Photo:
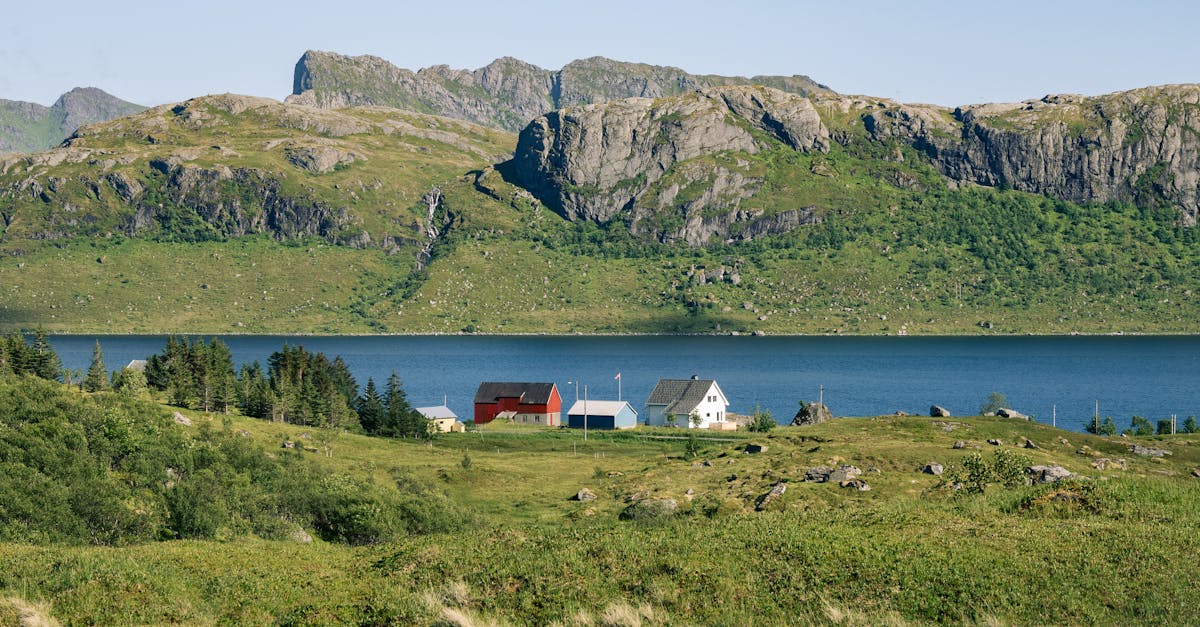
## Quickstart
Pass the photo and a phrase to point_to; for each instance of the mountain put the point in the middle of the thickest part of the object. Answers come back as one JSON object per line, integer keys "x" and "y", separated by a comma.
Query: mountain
{"x": 728, "y": 209}
{"x": 30, "y": 127}
{"x": 507, "y": 93}
{"x": 684, "y": 168}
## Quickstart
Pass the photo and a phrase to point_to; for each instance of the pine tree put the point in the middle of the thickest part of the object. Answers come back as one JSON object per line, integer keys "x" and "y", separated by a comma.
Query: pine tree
{"x": 44, "y": 361}
{"x": 394, "y": 425}
{"x": 371, "y": 410}
{"x": 97, "y": 375}
{"x": 132, "y": 383}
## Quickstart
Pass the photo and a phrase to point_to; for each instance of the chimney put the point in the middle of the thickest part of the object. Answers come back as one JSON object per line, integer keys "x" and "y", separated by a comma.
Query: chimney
{"x": 695, "y": 377}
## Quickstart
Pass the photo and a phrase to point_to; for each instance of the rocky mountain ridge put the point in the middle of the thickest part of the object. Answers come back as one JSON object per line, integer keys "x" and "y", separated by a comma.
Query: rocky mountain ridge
{"x": 506, "y": 93}
{"x": 30, "y": 127}
{"x": 632, "y": 158}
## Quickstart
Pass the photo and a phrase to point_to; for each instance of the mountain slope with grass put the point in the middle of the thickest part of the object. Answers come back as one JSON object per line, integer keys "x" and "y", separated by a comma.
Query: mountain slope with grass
{"x": 30, "y": 127}
{"x": 842, "y": 522}
{"x": 726, "y": 210}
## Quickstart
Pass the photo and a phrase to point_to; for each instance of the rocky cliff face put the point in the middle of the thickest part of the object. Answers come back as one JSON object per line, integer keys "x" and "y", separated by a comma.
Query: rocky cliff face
{"x": 30, "y": 127}
{"x": 669, "y": 167}
{"x": 636, "y": 158}
{"x": 1139, "y": 146}
{"x": 506, "y": 93}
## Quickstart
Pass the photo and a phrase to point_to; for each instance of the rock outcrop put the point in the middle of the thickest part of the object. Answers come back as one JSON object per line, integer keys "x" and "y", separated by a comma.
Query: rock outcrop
{"x": 811, "y": 414}
{"x": 636, "y": 160}
{"x": 1137, "y": 146}
{"x": 507, "y": 93}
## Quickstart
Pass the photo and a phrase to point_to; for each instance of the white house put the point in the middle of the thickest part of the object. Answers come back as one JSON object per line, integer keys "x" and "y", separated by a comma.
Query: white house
{"x": 692, "y": 402}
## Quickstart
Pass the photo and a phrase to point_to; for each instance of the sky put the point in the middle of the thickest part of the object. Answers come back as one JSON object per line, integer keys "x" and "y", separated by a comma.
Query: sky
{"x": 929, "y": 51}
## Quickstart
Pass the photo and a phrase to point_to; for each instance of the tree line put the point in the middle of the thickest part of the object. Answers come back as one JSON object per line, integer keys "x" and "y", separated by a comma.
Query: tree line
{"x": 296, "y": 387}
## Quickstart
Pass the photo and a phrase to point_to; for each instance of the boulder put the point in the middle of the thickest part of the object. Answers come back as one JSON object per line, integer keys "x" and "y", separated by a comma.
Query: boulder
{"x": 650, "y": 509}
{"x": 1047, "y": 474}
{"x": 584, "y": 495}
{"x": 820, "y": 474}
{"x": 995, "y": 442}
{"x": 856, "y": 484}
{"x": 844, "y": 472}
{"x": 765, "y": 500}
{"x": 1105, "y": 463}
{"x": 755, "y": 448}
{"x": 1005, "y": 412}
{"x": 937, "y": 411}
{"x": 288, "y": 444}
{"x": 960, "y": 444}
{"x": 811, "y": 414}
{"x": 181, "y": 419}
{"x": 1030, "y": 445}
{"x": 932, "y": 468}
{"x": 301, "y": 536}
{"x": 1147, "y": 451}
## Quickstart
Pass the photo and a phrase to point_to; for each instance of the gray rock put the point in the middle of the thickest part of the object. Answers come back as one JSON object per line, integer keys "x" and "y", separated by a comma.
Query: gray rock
{"x": 766, "y": 499}
{"x": 320, "y": 159}
{"x": 584, "y": 495}
{"x": 937, "y": 411}
{"x": 755, "y": 448}
{"x": 995, "y": 442}
{"x": 844, "y": 473}
{"x": 1005, "y": 412}
{"x": 811, "y": 414}
{"x": 820, "y": 474}
{"x": 960, "y": 444}
{"x": 1148, "y": 451}
{"x": 301, "y": 536}
{"x": 855, "y": 484}
{"x": 288, "y": 444}
{"x": 1105, "y": 463}
{"x": 1029, "y": 444}
{"x": 650, "y": 509}
{"x": 1047, "y": 474}
{"x": 932, "y": 468}
{"x": 181, "y": 419}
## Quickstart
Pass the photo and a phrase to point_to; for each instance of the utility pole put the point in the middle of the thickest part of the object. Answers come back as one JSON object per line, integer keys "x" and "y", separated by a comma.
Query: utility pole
{"x": 1172, "y": 424}
{"x": 1054, "y": 416}
{"x": 821, "y": 395}
{"x": 1096, "y": 420}
{"x": 585, "y": 408}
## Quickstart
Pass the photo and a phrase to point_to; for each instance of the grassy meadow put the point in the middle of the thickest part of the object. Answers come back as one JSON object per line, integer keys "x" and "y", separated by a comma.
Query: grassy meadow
{"x": 1112, "y": 547}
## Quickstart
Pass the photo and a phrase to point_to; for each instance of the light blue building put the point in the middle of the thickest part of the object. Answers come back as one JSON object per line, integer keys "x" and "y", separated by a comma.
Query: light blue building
{"x": 602, "y": 415}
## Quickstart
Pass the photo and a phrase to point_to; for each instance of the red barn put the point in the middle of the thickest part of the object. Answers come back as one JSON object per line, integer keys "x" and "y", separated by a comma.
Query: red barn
{"x": 528, "y": 403}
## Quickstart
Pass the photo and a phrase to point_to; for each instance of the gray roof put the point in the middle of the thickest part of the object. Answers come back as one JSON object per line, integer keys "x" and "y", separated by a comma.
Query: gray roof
{"x": 136, "y": 364}
{"x": 533, "y": 393}
{"x": 439, "y": 411}
{"x": 679, "y": 395}
{"x": 599, "y": 408}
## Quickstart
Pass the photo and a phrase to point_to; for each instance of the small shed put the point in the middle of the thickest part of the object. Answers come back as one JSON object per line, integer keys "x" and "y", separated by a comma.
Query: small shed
{"x": 136, "y": 364}
{"x": 442, "y": 417}
{"x": 602, "y": 415}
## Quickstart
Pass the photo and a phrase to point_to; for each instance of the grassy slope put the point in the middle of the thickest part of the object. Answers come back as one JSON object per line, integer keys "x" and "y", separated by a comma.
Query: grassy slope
{"x": 896, "y": 251}
{"x": 904, "y": 551}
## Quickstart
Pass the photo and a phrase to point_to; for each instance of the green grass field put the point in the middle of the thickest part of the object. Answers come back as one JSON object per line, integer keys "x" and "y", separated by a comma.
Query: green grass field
{"x": 1114, "y": 547}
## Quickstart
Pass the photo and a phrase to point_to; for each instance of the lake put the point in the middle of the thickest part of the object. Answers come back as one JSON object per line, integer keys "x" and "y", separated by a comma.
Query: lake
{"x": 860, "y": 376}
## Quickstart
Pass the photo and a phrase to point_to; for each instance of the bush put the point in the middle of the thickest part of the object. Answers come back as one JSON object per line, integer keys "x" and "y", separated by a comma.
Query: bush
{"x": 976, "y": 473}
{"x": 761, "y": 421}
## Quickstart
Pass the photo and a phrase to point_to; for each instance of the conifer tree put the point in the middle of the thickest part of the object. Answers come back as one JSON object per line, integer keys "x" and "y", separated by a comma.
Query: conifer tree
{"x": 371, "y": 409}
{"x": 97, "y": 375}
{"x": 43, "y": 360}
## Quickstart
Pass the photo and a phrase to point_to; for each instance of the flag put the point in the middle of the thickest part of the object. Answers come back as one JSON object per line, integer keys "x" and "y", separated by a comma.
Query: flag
{"x": 618, "y": 377}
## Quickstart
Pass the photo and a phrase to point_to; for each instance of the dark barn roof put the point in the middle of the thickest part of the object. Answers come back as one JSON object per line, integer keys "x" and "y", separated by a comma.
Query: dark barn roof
{"x": 531, "y": 393}
{"x": 679, "y": 394}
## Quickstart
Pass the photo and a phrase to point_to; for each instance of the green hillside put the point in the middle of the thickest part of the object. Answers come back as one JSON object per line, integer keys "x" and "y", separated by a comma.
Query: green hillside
{"x": 228, "y": 214}
{"x": 485, "y": 527}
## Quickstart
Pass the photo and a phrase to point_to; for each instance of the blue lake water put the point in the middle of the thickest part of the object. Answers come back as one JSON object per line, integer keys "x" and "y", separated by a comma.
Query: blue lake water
{"x": 861, "y": 376}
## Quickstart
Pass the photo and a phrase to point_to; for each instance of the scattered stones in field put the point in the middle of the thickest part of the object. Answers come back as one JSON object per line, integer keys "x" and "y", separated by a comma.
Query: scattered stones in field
{"x": 288, "y": 444}
{"x": 765, "y": 500}
{"x": 820, "y": 474}
{"x": 844, "y": 473}
{"x": 755, "y": 448}
{"x": 181, "y": 419}
{"x": 1047, "y": 474}
{"x": 612, "y": 474}
{"x": 1147, "y": 451}
{"x": 946, "y": 426}
{"x": 1105, "y": 463}
{"x": 1029, "y": 444}
{"x": 811, "y": 414}
{"x": 933, "y": 468}
{"x": 584, "y": 495}
{"x": 1005, "y": 412}
{"x": 650, "y": 509}
{"x": 855, "y": 484}
{"x": 1087, "y": 451}
{"x": 1063, "y": 441}
{"x": 959, "y": 444}
{"x": 995, "y": 442}
{"x": 901, "y": 413}
{"x": 937, "y": 411}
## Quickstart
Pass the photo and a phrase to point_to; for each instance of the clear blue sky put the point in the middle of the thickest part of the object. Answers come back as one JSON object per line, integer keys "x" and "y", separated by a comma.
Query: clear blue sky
{"x": 935, "y": 51}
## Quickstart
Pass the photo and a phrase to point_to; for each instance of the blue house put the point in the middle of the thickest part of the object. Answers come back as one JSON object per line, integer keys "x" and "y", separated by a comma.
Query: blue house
{"x": 602, "y": 415}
